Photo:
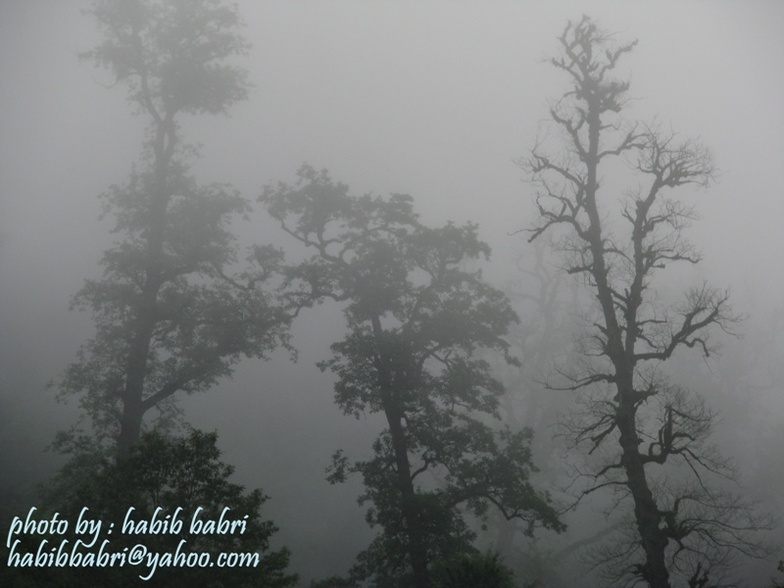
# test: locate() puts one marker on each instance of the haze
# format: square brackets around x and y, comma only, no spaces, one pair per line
[433,99]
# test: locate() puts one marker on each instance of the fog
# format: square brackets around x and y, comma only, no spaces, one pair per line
[433,99]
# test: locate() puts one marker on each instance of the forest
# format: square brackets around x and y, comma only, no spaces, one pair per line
[391,295]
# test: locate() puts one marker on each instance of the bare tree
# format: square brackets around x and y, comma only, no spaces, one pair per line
[619,253]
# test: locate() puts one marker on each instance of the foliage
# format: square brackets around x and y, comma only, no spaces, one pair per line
[173,311]
[420,325]
[687,529]
[469,571]
[166,473]
[781,569]
[171,54]
[334,582]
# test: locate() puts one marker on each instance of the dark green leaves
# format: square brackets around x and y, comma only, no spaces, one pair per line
[422,324]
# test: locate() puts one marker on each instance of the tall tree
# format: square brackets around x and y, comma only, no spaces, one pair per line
[619,254]
[173,310]
[419,322]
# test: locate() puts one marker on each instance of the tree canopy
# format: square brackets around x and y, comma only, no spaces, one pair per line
[421,323]
[172,54]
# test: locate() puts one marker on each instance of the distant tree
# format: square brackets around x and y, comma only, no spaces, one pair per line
[618,254]
[419,322]
[543,298]
[160,472]
[173,311]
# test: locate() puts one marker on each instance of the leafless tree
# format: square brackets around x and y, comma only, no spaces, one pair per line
[659,432]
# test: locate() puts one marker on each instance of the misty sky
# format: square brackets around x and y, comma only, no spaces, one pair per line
[434,99]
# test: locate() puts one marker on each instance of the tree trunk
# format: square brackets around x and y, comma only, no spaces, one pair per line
[136,372]
[646,512]
[417,548]
[136,367]
[130,426]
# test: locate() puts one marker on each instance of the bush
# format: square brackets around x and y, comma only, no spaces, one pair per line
[164,473]
[470,571]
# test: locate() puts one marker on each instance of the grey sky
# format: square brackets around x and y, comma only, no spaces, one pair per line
[432,98]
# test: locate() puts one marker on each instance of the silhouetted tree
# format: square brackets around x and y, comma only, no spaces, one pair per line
[418,318]
[173,311]
[618,254]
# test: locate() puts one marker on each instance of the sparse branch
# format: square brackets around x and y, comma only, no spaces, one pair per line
[632,141]
[581,382]
[597,433]
[704,307]
[674,163]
